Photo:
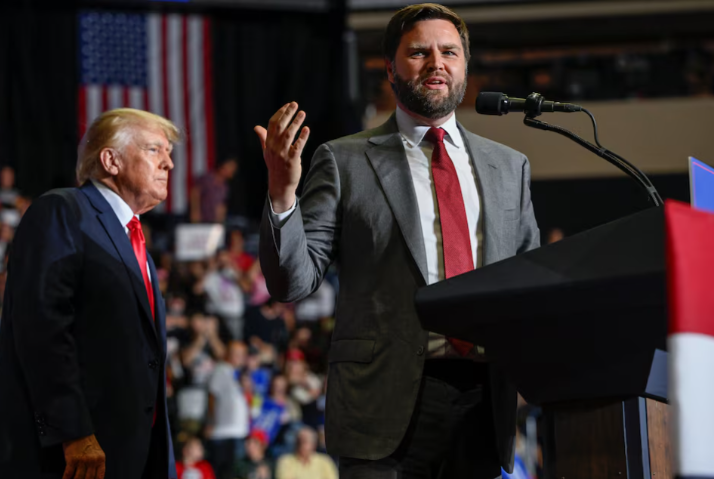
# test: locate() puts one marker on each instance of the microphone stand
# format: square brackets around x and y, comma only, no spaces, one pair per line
[621,163]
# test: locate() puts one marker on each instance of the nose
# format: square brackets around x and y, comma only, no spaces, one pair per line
[168,163]
[437,62]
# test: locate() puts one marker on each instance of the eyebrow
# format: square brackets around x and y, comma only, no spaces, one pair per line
[159,144]
[445,46]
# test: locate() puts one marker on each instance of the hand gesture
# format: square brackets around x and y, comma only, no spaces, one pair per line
[84,458]
[282,156]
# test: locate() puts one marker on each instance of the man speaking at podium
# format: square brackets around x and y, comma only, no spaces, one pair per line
[83,336]
[412,202]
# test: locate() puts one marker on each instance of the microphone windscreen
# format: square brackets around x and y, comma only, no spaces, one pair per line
[489,103]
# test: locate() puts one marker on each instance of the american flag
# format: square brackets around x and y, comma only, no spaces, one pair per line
[155,62]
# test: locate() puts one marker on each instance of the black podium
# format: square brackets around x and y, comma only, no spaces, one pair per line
[580,326]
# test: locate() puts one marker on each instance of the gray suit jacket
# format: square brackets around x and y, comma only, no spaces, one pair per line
[359,208]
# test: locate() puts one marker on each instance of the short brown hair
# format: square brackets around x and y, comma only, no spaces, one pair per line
[108,131]
[405,19]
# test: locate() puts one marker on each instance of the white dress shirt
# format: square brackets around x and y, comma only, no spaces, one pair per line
[418,155]
[121,209]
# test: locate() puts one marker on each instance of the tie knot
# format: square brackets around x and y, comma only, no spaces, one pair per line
[435,135]
[134,224]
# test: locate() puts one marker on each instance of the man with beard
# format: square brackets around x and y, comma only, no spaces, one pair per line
[414,201]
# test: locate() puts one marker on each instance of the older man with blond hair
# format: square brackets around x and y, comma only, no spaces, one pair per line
[83,336]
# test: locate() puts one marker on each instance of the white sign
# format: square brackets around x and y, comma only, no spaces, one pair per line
[198,241]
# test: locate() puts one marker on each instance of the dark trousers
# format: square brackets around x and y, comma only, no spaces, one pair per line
[451,434]
[223,454]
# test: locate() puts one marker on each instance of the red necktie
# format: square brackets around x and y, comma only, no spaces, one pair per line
[456,239]
[138,243]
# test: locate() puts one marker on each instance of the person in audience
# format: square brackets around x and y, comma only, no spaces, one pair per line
[210,192]
[267,324]
[224,295]
[236,250]
[412,202]
[228,416]
[255,464]
[192,464]
[305,387]
[202,349]
[83,333]
[305,462]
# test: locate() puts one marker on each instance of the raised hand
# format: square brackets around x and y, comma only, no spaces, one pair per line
[84,458]
[282,156]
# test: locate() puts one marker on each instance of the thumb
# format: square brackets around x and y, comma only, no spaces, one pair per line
[262,135]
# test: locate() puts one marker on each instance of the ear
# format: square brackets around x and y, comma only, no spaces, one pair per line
[109,158]
[390,70]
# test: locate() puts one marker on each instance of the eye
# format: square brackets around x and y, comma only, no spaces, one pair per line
[450,53]
[416,54]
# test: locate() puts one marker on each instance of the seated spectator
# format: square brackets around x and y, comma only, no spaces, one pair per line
[280,417]
[228,416]
[306,463]
[259,374]
[255,465]
[236,250]
[192,464]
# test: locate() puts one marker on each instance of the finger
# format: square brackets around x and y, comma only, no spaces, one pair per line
[81,471]
[296,149]
[102,469]
[91,472]
[287,117]
[69,469]
[294,126]
[262,135]
[275,119]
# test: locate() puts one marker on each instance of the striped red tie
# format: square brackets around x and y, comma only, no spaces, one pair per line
[456,240]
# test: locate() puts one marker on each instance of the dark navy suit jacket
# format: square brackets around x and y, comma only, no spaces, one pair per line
[80,352]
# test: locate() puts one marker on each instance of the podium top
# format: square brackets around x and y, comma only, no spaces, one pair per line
[580,318]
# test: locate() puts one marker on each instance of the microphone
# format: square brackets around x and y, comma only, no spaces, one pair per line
[495,103]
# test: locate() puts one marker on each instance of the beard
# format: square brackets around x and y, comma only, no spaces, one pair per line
[431,104]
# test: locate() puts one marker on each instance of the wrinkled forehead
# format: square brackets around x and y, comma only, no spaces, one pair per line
[145,135]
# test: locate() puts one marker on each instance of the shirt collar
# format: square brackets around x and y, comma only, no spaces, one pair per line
[119,206]
[414,133]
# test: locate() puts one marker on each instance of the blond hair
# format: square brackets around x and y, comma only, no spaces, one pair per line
[110,130]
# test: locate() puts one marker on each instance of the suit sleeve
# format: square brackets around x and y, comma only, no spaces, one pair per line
[295,255]
[528,234]
[43,274]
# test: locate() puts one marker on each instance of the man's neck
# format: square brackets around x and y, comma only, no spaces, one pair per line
[423,121]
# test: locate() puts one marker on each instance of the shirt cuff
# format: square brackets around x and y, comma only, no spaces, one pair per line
[279,219]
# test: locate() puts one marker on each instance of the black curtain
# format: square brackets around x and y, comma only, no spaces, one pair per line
[38,96]
[576,205]
[261,62]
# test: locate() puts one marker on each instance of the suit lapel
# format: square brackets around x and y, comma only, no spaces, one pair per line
[389,161]
[121,242]
[487,179]
[159,307]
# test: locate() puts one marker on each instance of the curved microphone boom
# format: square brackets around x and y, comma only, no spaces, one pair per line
[492,103]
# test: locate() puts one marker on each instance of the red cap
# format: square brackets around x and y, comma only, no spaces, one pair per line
[259,435]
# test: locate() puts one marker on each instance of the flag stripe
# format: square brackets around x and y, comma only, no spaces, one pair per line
[186,107]
[208,92]
[165,94]
[176,111]
[94,102]
[82,110]
[136,98]
[116,96]
[156,64]
[196,105]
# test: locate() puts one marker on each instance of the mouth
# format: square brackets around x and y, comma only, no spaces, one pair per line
[436,83]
